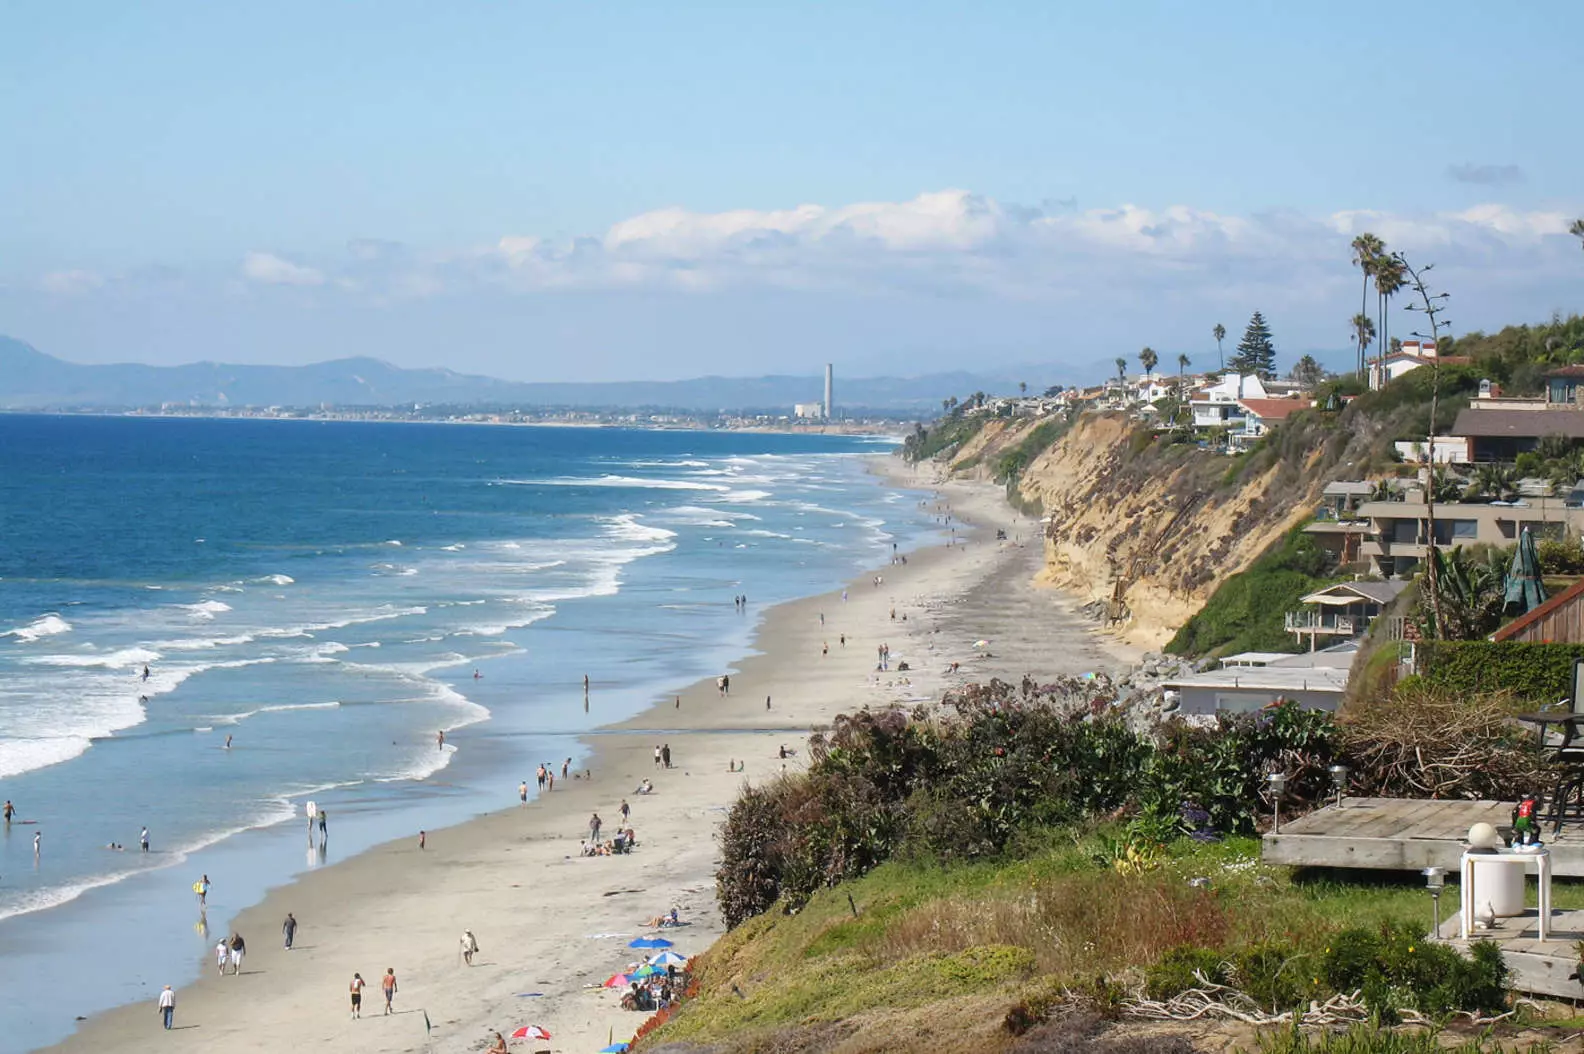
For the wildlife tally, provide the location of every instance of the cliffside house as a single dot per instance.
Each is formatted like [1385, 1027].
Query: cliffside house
[1400, 529]
[1338, 528]
[1499, 427]
[1261, 415]
[1343, 611]
[1315, 680]
[1217, 405]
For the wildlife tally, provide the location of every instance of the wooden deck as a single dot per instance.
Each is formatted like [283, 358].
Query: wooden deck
[1547, 967]
[1394, 834]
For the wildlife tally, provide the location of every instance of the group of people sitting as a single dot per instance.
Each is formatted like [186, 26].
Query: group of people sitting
[624, 842]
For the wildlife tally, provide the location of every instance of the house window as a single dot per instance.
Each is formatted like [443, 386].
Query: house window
[1405, 530]
[1452, 531]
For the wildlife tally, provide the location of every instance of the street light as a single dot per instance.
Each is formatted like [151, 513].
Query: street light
[1277, 782]
[1339, 775]
[1435, 879]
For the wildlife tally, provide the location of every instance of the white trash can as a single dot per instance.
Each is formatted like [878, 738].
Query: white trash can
[1499, 885]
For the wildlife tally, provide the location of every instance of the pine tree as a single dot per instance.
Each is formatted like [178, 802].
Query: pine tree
[1255, 352]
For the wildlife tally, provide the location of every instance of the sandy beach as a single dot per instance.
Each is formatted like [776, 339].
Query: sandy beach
[552, 925]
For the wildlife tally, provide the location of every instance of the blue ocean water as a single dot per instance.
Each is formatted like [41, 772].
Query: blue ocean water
[324, 593]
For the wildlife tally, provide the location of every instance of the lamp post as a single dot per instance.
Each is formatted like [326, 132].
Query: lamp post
[1339, 775]
[1435, 879]
[1277, 782]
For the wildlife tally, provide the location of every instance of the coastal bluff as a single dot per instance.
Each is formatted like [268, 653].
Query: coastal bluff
[1145, 530]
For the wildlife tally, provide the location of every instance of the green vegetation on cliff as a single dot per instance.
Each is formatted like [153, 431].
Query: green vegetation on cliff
[1246, 613]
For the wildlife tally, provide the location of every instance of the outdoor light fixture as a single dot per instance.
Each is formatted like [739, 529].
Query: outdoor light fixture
[1277, 782]
[1435, 879]
[1339, 775]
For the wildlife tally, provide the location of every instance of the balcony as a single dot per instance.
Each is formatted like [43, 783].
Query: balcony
[1326, 622]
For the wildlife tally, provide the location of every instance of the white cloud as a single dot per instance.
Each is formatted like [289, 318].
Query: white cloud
[269, 269]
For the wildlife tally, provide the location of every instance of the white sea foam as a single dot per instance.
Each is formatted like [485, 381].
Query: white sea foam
[121, 659]
[276, 580]
[49, 625]
[206, 609]
[743, 496]
[453, 548]
[394, 542]
[630, 482]
[24, 754]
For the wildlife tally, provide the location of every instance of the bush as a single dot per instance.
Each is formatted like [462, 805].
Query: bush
[1183, 968]
[1540, 673]
[1246, 613]
[1561, 556]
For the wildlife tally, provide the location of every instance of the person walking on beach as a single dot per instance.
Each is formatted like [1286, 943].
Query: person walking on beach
[10, 811]
[566, 766]
[470, 947]
[167, 1006]
[324, 818]
[594, 828]
[289, 929]
[143, 840]
[312, 809]
[657, 755]
[222, 955]
[665, 756]
[423, 837]
[201, 887]
[440, 740]
[388, 986]
[522, 792]
[355, 989]
[238, 949]
[625, 810]
[767, 702]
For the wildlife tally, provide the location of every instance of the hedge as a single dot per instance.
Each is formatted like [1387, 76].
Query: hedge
[1542, 673]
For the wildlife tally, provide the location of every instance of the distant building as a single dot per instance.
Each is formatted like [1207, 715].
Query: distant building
[1315, 681]
[808, 411]
[830, 404]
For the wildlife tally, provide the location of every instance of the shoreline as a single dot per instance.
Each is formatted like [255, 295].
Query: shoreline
[544, 915]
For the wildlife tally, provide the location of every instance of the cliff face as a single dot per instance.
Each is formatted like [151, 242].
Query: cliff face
[1151, 530]
[978, 456]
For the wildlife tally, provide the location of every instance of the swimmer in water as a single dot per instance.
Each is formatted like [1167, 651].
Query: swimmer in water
[228, 743]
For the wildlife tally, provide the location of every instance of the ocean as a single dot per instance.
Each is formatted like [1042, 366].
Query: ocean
[330, 596]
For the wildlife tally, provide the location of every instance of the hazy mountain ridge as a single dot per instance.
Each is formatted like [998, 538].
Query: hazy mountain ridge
[33, 380]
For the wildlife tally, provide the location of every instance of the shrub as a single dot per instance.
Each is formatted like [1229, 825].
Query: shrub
[1183, 968]
[1540, 673]
[1246, 611]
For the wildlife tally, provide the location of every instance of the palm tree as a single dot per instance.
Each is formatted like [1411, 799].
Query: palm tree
[1022, 387]
[1121, 365]
[1577, 230]
[1390, 278]
[1363, 335]
[1220, 334]
[1182, 386]
[1366, 250]
[1148, 359]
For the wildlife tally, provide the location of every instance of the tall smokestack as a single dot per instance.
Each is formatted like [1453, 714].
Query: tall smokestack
[830, 409]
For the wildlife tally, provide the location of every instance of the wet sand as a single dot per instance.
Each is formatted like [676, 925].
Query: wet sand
[551, 924]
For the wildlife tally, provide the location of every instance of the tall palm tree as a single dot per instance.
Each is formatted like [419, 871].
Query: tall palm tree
[1577, 230]
[1363, 335]
[1220, 334]
[1121, 365]
[1148, 359]
[1022, 387]
[1182, 386]
[1390, 278]
[1367, 248]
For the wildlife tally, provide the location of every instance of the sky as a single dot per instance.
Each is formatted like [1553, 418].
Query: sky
[602, 191]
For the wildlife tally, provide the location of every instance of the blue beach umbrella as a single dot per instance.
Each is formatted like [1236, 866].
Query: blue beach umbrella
[614, 1048]
[649, 942]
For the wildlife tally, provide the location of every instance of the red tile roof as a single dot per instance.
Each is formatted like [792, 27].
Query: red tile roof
[1273, 409]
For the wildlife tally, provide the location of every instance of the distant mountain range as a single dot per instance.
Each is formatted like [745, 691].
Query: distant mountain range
[32, 380]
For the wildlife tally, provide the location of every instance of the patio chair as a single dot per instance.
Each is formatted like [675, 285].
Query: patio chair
[1567, 797]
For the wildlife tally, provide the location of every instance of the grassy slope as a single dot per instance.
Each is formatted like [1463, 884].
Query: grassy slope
[940, 955]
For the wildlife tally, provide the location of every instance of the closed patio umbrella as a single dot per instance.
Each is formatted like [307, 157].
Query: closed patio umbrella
[1524, 591]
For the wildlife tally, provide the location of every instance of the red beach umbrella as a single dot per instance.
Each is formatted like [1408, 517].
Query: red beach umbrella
[617, 980]
[530, 1032]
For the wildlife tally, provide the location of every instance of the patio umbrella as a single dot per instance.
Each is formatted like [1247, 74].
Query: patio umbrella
[530, 1032]
[648, 970]
[617, 980]
[649, 942]
[668, 959]
[1524, 590]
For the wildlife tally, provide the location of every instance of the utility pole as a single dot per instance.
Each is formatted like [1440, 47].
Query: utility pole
[1431, 304]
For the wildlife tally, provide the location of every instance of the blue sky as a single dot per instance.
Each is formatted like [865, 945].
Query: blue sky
[618, 190]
